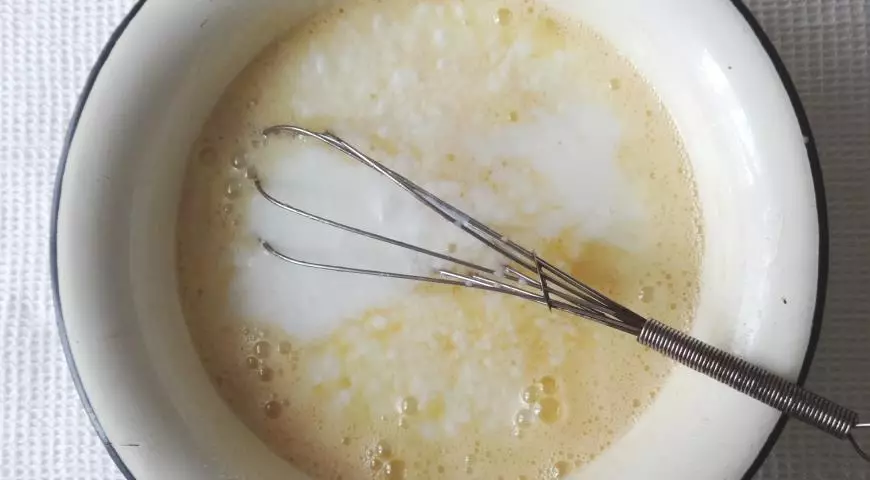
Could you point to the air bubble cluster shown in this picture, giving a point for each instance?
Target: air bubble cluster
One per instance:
(538, 405)
(382, 462)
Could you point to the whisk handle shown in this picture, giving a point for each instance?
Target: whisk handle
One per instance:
(754, 381)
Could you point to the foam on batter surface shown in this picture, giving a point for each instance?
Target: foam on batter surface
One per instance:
(523, 118)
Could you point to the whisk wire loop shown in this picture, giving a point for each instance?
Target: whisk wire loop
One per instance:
(551, 281)
(529, 277)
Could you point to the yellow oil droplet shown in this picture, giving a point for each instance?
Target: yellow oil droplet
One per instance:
(394, 469)
(635, 403)
(513, 116)
(646, 294)
(548, 385)
(266, 374)
(252, 362)
(531, 394)
(382, 450)
(272, 409)
(345, 440)
(614, 84)
(408, 406)
(503, 16)
(560, 470)
(262, 349)
(284, 347)
(548, 410)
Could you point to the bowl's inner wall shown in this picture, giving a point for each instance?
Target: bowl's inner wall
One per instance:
(123, 180)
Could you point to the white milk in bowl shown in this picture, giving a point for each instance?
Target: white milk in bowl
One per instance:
(525, 119)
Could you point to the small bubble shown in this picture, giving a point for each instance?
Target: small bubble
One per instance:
(251, 173)
(252, 362)
(260, 141)
(513, 116)
(503, 16)
(395, 469)
(524, 418)
(531, 394)
(382, 449)
(673, 306)
(375, 464)
(408, 406)
(266, 374)
(345, 440)
(233, 189)
(262, 349)
(240, 161)
(272, 409)
(614, 84)
(646, 294)
(284, 348)
(404, 423)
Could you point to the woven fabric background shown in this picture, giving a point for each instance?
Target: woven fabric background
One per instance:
(47, 48)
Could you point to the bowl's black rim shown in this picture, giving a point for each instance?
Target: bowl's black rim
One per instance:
(803, 121)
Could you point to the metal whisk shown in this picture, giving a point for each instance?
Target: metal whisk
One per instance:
(532, 278)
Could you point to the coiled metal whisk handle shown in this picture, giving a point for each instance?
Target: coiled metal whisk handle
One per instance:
(754, 381)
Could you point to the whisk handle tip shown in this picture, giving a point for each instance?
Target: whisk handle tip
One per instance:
(752, 380)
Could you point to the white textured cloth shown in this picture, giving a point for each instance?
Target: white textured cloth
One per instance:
(47, 48)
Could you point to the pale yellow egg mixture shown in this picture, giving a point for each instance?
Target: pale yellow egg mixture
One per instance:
(531, 122)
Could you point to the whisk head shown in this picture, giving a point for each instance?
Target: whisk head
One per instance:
(524, 274)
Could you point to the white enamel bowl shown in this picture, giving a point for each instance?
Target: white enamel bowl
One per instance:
(161, 74)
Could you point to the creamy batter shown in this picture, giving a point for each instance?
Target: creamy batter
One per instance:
(525, 119)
